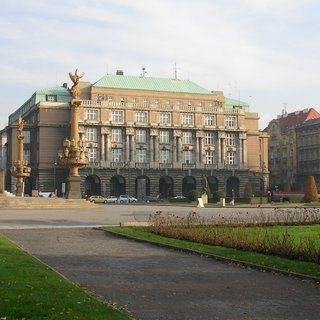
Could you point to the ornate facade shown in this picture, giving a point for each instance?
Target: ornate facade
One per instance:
(146, 136)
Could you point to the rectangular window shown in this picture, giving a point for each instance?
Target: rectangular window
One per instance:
(26, 134)
(230, 139)
(164, 136)
(187, 137)
(26, 155)
(187, 156)
(141, 117)
(209, 138)
(92, 134)
(209, 157)
(117, 115)
(231, 121)
(116, 135)
(145, 102)
(164, 156)
(92, 114)
(141, 156)
(116, 155)
(187, 118)
(165, 118)
(209, 120)
(110, 99)
(141, 136)
(92, 154)
(231, 156)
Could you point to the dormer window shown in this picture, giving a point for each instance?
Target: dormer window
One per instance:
(51, 98)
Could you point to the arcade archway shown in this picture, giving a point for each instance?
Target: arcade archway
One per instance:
(188, 184)
(166, 187)
(117, 186)
(92, 185)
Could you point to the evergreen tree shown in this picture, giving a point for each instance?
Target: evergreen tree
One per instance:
(311, 193)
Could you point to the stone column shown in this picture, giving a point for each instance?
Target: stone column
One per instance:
(199, 148)
(102, 146)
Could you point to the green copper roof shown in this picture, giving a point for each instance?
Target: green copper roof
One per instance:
(150, 84)
(61, 93)
(230, 103)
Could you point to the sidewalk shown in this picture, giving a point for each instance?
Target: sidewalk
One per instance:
(161, 284)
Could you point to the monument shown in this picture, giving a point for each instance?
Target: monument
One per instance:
(74, 153)
(20, 168)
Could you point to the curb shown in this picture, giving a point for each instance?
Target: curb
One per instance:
(220, 258)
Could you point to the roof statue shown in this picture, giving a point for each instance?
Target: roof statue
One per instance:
(75, 79)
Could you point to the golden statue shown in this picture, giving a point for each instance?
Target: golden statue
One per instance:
(75, 79)
(20, 128)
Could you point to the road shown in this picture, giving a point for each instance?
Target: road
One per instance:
(116, 214)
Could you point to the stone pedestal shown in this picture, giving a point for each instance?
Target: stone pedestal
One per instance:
(205, 198)
(73, 187)
(19, 190)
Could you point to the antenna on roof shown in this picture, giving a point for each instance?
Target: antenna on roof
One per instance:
(284, 107)
(175, 70)
(143, 71)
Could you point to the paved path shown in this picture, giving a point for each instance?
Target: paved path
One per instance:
(161, 284)
(116, 214)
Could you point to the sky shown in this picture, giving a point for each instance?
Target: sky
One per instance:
(264, 52)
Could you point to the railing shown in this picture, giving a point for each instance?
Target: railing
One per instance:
(155, 106)
(142, 165)
(165, 165)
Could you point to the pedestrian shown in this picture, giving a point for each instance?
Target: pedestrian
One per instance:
(232, 197)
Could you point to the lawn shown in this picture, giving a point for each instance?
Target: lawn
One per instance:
(271, 261)
(30, 290)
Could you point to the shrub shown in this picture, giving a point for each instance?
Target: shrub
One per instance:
(248, 190)
(217, 195)
(311, 193)
(194, 195)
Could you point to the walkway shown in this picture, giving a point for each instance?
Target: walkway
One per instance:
(161, 284)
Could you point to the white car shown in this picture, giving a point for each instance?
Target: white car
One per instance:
(112, 199)
(125, 198)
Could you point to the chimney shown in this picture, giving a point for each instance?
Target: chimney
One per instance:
(119, 73)
(65, 85)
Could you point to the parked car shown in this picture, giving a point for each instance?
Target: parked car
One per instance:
(112, 199)
(125, 198)
(177, 198)
(151, 198)
(132, 199)
(97, 199)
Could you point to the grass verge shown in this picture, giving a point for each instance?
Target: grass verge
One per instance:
(30, 290)
(286, 265)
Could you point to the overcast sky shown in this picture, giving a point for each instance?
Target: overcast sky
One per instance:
(265, 52)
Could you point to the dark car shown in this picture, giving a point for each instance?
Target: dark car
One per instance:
(151, 198)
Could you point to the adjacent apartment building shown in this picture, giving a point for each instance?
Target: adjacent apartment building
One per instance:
(285, 149)
(145, 136)
(308, 152)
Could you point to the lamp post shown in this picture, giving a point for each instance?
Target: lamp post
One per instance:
(20, 168)
(74, 153)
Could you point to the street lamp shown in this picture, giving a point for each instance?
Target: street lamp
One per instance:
(74, 153)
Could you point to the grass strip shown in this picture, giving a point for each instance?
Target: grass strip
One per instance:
(31, 290)
(308, 269)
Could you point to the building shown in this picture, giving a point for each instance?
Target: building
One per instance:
(283, 148)
(308, 152)
(145, 136)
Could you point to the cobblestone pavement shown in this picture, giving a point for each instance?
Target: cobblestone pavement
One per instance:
(156, 283)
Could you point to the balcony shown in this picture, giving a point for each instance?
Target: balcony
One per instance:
(142, 165)
(165, 165)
